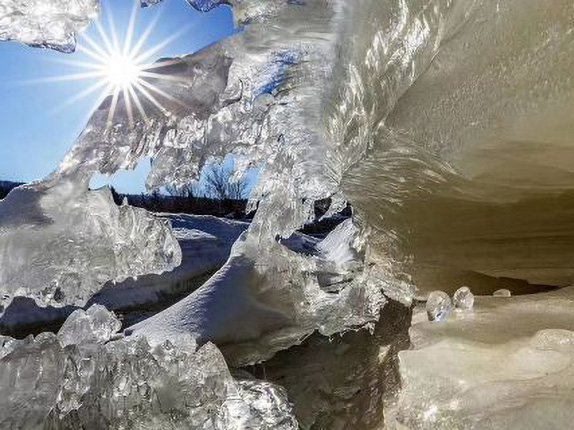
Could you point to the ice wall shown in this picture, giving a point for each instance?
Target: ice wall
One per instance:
(467, 177)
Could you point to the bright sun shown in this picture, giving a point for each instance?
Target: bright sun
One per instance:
(119, 68)
(122, 72)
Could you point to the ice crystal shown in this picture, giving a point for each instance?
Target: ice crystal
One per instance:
(463, 298)
(438, 306)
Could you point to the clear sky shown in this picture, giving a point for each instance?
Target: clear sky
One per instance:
(35, 132)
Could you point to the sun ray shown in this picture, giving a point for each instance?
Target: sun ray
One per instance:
(151, 98)
(162, 93)
(128, 105)
(113, 107)
(153, 75)
(85, 50)
(91, 89)
(75, 63)
(113, 32)
(156, 48)
(131, 29)
(160, 64)
(107, 43)
(63, 78)
(134, 51)
(97, 52)
(96, 104)
(138, 104)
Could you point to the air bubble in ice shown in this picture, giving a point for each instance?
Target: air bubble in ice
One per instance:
(438, 306)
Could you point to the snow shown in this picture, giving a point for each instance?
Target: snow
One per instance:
(274, 306)
(205, 242)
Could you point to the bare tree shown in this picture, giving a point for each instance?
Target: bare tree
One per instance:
(221, 184)
(187, 191)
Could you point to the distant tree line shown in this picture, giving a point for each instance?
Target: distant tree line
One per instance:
(222, 193)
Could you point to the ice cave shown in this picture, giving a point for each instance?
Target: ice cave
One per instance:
(443, 297)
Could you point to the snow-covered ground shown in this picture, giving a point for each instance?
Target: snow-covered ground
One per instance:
(205, 243)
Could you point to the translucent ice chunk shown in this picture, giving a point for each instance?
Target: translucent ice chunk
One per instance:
(46, 23)
(61, 242)
(73, 380)
(438, 306)
(96, 325)
(463, 298)
(502, 293)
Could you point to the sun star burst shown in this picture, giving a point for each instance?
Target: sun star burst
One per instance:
(118, 68)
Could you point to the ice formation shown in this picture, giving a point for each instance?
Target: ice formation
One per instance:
(507, 365)
(89, 377)
(256, 309)
(502, 293)
(46, 23)
(439, 306)
(463, 299)
(205, 242)
(60, 243)
(445, 123)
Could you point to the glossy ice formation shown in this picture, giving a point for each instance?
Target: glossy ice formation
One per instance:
(46, 23)
(463, 298)
(447, 124)
(438, 306)
(506, 365)
(83, 378)
(502, 293)
(62, 242)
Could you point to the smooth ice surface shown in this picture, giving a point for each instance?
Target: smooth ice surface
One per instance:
(83, 378)
(439, 306)
(465, 108)
(505, 365)
(46, 23)
(463, 299)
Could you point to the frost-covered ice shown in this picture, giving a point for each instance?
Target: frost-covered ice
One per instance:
(507, 365)
(46, 23)
(463, 299)
(83, 378)
(438, 306)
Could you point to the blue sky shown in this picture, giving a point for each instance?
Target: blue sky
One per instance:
(35, 135)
